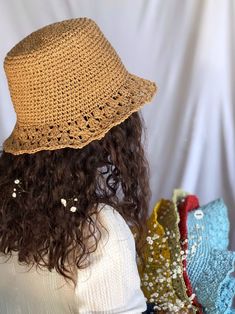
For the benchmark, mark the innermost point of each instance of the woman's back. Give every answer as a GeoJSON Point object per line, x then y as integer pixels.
{"type": "Point", "coordinates": [111, 283]}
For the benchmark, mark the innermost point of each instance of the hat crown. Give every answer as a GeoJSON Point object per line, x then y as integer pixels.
{"type": "Point", "coordinates": [48, 35]}
{"type": "Point", "coordinates": [64, 62]}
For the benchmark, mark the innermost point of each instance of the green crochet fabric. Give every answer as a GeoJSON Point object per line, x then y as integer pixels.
{"type": "Point", "coordinates": [169, 219]}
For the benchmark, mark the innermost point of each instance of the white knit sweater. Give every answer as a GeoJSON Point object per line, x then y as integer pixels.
{"type": "Point", "coordinates": [111, 283]}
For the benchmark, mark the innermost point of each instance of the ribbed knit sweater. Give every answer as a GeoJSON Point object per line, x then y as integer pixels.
{"type": "Point", "coordinates": [111, 283]}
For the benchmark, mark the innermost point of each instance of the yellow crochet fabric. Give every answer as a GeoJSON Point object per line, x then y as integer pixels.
{"type": "Point", "coordinates": [161, 279]}
{"type": "Point", "coordinates": [169, 218]}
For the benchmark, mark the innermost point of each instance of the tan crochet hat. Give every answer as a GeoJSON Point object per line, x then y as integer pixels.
{"type": "Point", "coordinates": [69, 87]}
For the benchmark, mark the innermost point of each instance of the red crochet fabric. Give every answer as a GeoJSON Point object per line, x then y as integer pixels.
{"type": "Point", "coordinates": [189, 203]}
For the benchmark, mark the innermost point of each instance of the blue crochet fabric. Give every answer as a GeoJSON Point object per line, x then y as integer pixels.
{"type": "Point", "coordinates": [209, 263]}
{"type": "Point", "coordinates": [216, 223]}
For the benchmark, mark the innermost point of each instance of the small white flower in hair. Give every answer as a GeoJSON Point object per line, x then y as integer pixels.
{"type": "Point", "coordinates": [75, 199]}
{"type": "Point", "coordinates": [17, 181]}
{"type": "Point", "coordinates": [73, 209]}
{"type": "Point", "coordinates": [13, 194]}
{"type": "Point", "coordinates": [63, 201]}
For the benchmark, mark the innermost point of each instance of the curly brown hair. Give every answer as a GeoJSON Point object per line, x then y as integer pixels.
{"type": "Point", "coordinates": [113, 170]}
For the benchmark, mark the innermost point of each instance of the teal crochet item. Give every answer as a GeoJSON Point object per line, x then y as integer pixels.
{"type": "Point", "coordinates": [216, 222]}
{"type": "Point", "coordinates": [209, 263]}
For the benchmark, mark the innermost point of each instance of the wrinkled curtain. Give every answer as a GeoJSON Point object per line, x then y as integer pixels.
{"type": "Point", "coordinates": [188, 48]}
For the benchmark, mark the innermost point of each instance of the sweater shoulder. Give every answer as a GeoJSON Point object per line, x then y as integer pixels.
{"type": "Point", "coordinates": [115, 223]}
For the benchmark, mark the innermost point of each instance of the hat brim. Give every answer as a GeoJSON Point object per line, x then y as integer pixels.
{"type": "Point", "coordinates": [87, 127]}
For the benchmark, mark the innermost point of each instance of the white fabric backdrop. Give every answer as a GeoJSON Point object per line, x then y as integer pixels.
{"type": "Point", "coordinates": [188, 48]}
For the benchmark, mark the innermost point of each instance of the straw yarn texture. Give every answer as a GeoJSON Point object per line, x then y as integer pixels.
{"type": "Point", "coordinates": [69, 87]}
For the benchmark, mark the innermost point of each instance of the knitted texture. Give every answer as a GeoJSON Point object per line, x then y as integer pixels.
{"type": "Point", "coordinates": [169, 219]}
{"type": "Point", "coordinates": [215, 221]}
{"type": "Point", "coordinates": [206, 230]}
{"type": "Point", "coordinates": [215, 286]}
{"type": "Point", "coordinates": [162, 280]}
{"type": "Point", "coordinates": [69, 87]}
{"type": "Point", "coordinates": [156, 246]}
{"type": "Point", "coordinates": [210, 264]}
{"type": "Point", "coordinates": [184, 205]}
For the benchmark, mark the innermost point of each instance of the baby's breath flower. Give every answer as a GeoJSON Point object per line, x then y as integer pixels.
{"type": "Point", "coordinates": [13, 194]}
{"type": "Point", "coordinates": [75, 199]}
{"type": "Point", "coordinates": [63, 201]}
{"type": "Point", "coordinates": [73, 209]}
{"type": "Point", "coordinates": [17, 181]}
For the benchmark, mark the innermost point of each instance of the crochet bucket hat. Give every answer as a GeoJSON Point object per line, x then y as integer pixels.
{"type": "Point", "coordinates": [69, 87]}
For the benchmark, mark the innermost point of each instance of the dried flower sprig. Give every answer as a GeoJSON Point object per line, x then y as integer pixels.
{"type": "Point", "coordinates": [18, 185]}
{"type": "Point", "coordinates": [64, 202]}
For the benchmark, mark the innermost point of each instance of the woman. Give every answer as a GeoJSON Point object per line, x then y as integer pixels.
{"type": "Point", "coordinates": [73, 176]}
